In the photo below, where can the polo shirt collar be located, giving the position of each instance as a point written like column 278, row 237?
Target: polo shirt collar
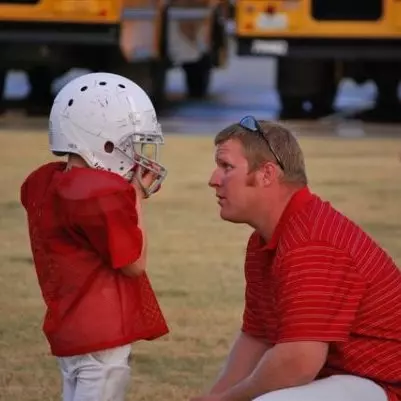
column 296, row 203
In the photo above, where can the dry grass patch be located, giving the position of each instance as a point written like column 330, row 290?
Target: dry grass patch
column 195, row 263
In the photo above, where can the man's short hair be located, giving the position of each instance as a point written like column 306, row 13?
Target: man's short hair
column 257, row 152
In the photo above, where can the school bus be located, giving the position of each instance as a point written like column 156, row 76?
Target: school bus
column 141, row 39
column 318, row 42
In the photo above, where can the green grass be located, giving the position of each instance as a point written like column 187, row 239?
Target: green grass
column 195, row 259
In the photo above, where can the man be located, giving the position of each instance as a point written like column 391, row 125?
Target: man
column 88, row 236
column 322, row 318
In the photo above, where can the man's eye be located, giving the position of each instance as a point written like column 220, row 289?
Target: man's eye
column 224, row 165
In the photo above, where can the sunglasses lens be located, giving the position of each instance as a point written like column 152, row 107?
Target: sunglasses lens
column 249, row 123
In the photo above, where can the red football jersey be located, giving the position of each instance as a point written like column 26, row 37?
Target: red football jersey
column 83, row 227
column 322, row 278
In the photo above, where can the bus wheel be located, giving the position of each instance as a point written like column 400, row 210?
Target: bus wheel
column 198, row 76
column 302, row 81
column 387, row 108
column 40, row 98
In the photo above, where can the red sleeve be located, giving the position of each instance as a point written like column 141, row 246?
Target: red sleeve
column 318, row 294
column 110, row 223
column 23, row 192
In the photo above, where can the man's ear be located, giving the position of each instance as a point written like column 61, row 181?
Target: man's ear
column 269, row 172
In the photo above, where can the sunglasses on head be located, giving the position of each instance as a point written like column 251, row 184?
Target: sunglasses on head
column 250, row 124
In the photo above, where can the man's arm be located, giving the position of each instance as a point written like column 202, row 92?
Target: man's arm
column 245, row 354
column 284, row 365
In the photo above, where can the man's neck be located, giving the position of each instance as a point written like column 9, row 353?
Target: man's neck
column 269, row 213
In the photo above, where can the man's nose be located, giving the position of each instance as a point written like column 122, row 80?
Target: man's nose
column 214, row 180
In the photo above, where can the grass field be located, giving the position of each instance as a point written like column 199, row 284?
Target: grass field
column 195, row 260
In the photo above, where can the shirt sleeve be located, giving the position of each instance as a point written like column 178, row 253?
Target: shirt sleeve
column 23, row 194
column 110, row 224
column 318, row 294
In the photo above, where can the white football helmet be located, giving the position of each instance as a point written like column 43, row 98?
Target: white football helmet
column 110, row 122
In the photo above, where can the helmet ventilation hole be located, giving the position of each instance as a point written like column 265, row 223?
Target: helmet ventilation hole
column 70, row 102
column 84, row 88
column 121, row 86
column 109, row 147
column 102, row 83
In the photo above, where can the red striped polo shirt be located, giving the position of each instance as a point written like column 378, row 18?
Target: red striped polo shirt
column 322, row 278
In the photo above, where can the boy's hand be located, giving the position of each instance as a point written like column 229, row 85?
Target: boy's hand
column 142, row 180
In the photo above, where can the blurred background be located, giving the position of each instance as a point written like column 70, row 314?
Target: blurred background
column 328, row 69
column 211, row 60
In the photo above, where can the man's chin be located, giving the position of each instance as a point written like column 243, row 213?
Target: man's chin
column 232, row 218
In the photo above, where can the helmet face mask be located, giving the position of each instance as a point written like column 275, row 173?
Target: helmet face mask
column 143, row 151
column 111, row 123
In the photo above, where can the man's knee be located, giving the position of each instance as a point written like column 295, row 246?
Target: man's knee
column 279, row 395
column 334, row 388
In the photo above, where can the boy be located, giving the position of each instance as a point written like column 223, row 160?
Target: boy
column 87, row 234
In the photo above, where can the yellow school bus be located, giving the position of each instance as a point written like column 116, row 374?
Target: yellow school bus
column 318, row 42
column 140, row 39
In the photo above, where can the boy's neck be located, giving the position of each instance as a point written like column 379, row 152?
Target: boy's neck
column 75, row 161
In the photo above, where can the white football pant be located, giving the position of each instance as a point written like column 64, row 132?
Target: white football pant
column 99, row 376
